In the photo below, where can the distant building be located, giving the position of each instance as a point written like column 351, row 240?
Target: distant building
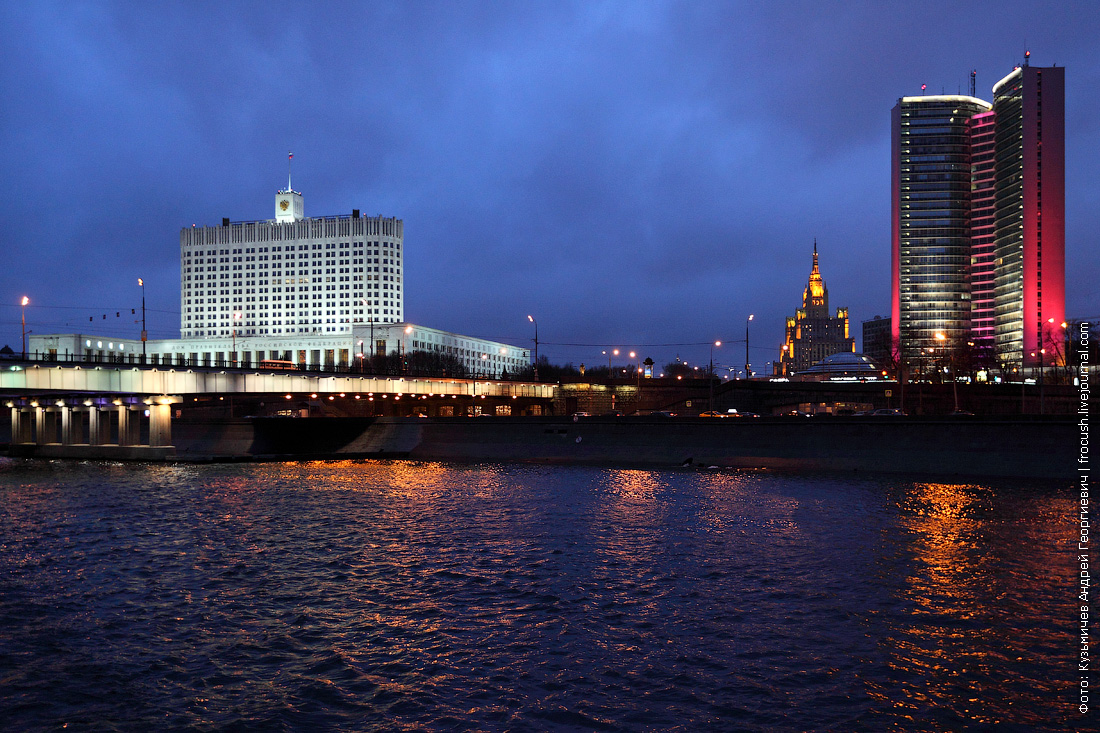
column 876, row 340
column 290, row 275
column 1029, row 295
column 841, row 367
column 316, row 292
column 931, row 209
column 479, row 357
column 813, row 333
column 978, row 220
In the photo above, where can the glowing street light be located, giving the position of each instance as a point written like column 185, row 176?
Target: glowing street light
column 747, row 372
column 144, row 333
column 532, row 320
column 24, row 304
column 710, row 377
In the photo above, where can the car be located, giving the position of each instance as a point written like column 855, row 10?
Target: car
column 885, row 412
column 734, row 413
column 961, row 413
column 662, row 413
column 712, row 413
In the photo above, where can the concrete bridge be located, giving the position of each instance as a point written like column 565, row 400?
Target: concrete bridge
column 126, row 411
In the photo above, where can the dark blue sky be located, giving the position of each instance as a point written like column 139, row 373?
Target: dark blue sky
column 631, row 173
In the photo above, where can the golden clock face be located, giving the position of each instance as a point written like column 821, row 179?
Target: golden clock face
column 284, row 204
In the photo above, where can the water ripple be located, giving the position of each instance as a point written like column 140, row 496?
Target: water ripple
column 400, row 596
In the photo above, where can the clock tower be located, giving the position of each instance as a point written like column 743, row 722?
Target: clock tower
column 288, row 202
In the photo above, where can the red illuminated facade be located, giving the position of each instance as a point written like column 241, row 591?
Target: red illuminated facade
column 1030, row 215
column 978, row 220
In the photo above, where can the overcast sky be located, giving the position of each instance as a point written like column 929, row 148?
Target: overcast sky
column 640, row 175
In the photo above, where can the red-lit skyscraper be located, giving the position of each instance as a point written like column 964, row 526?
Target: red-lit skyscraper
column 932, row 219
column 982, row 227
column 979, row 222
column 1030, row 215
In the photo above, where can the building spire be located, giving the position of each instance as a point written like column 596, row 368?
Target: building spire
column 815, row 255
column 289, row 161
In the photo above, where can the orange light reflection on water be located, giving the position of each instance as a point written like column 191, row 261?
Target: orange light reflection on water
column 945, row 656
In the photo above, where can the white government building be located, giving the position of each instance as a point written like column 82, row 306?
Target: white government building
column 317, row 292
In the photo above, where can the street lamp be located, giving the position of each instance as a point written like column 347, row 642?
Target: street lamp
column 1043, row 338
column 532, row 320
column 144, row 333
column 710, row 377
column 24, row 304
column 954, row 380
column 408, row 330
column 747, row 372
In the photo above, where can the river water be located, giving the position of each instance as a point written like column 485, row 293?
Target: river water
column 405, row 596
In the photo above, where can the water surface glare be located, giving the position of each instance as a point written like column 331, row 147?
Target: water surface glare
column 404, row 596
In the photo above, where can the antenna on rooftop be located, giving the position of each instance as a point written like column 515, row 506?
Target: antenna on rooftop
column 973, row 82
column 1027, row 54
column 289, row 161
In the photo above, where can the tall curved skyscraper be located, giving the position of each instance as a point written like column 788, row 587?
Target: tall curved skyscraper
column 978, row 222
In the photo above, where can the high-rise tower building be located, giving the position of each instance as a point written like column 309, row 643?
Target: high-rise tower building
column 932, row 219
column 814, row 333
column 290, row 274
column 1030, row 213
column 978, row 199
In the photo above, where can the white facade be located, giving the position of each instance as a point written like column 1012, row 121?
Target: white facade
column 479, row 356
column 291, row 274
column 314, row 292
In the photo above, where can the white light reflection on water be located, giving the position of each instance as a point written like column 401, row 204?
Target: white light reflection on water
column 399, row 595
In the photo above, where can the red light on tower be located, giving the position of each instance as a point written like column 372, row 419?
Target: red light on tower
column 923, row 87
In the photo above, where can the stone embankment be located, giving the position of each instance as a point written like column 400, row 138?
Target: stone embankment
column 957, row 446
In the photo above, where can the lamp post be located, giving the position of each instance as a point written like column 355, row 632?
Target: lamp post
column 24, row 304
column 710, row 377
column 408, row 330
column 1042, row 350
column 144, row 333
column 532, row 320
column 954, row 382
column 748, row 373
column 360, row 355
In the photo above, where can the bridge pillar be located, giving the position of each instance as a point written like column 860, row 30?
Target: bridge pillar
column 39, row 425
column 127, row 421
column 66, row 415
column 17, row 426
column 160, row 425
column 96, row 426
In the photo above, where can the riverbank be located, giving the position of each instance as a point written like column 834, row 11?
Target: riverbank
column 957, row 446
